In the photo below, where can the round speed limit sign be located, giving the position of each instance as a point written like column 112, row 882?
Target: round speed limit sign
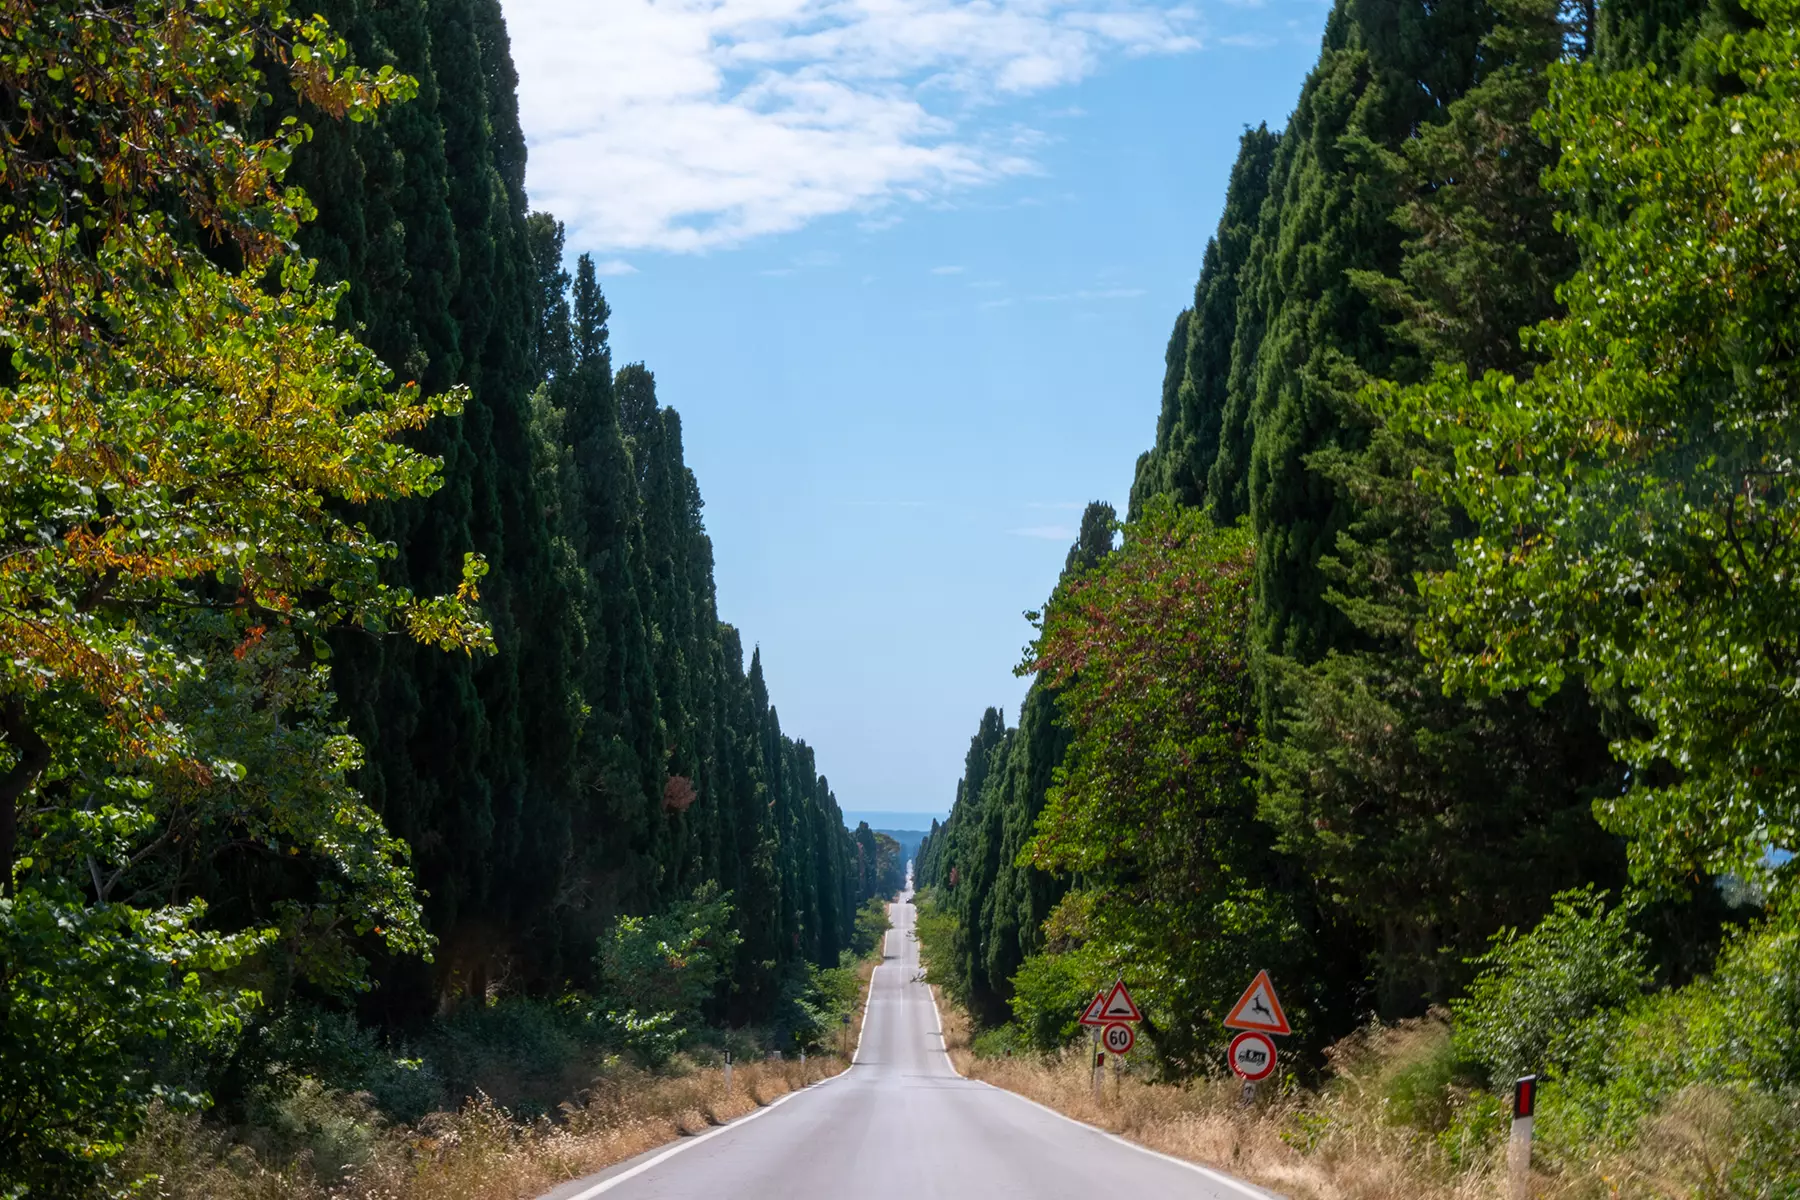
column 1253, row 1056
column 1119, row 1038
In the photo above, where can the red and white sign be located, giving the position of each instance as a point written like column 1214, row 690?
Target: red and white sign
column 1258, row 1010
column 1119, row 1038
column 1252, row 1056
column 1119, row 1006
column 1090, row 1016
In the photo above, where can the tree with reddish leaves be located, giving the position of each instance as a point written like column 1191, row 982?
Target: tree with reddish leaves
column 1153, row 808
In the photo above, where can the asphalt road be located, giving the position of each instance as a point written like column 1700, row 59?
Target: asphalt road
column 901, row 1124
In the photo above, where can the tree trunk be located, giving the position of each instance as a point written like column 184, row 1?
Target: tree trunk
column 34, row 756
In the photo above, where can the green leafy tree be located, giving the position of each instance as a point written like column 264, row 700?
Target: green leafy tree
column 670, row 962
column 1634, row 500
column 186, row 432
column 1153, row 808
column 1430, row 821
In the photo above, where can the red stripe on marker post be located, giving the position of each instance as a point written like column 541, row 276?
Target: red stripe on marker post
column 1518, row 1149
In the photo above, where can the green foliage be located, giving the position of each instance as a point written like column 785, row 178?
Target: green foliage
column 1737, row 1029
column 103, row 1009
column 1050, row 992
column 188, row 434
column 1153, row 806
column 872, row 925
column 668, row 965
column 817, row 1004
column 1530, row 1009
column 935, row 925
column 1634, row 500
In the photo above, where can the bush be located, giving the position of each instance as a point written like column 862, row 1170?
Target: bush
column 936, row 928
column 1738, row 1029
column 1001, row 1041
column 1528, row 1011
column 671, row 962
column 1050, row 992
column 872, row 925
column 1417, row 1092
column 815, row 1004
column 306, row 1042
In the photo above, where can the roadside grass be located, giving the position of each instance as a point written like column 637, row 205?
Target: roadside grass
column 1385, row 1126
column 341, row 1148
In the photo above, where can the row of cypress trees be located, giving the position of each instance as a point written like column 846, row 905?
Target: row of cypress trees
column 1395, row 225
column 614, row 753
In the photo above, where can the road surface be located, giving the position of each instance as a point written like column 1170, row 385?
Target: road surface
column 900, row 1124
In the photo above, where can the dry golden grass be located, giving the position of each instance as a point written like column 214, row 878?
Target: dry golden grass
column 481, row 1152
column 1335, row 1145
column 1345, row 1142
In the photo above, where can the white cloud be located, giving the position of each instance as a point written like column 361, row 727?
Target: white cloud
column 688, row 124
column 615, row 266
column 948, row 270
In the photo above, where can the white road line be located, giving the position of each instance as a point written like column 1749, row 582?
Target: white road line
column 868, row 1003
column 1218, row 1177
column 607, row 1185
column 1245, row 1189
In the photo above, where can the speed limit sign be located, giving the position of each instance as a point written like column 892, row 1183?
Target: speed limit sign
column 1119, row 1038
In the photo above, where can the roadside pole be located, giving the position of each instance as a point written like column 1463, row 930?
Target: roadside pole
column 1109, row 1019
column 728, row 1074
column 1518, row 1150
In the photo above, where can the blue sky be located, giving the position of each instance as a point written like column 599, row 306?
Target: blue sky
column 907, row 269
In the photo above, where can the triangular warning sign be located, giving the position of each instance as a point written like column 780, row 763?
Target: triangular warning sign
column 1091, row 1015
column 1119, row 1006
column 1258, row 1009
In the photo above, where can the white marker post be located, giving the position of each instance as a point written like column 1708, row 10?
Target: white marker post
column 1099, row 1075
column 728, row 1074
column 1518, row 1150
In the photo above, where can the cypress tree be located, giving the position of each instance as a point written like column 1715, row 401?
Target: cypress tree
column 1201, row 441
column 1386, row 70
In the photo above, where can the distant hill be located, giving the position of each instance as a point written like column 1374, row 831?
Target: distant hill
column 907, row 828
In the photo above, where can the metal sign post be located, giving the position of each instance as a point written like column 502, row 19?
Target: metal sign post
column 1109, row 1017
column 1518, row 1149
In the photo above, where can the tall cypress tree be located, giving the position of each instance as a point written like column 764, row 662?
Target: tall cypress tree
column 1386, row 69
column 1202, row 442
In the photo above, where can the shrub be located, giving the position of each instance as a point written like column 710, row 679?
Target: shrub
column 671, row 962
column 1050, row 991
column 1529, row 1008
column 872, row 925
column 1738, row 1029
column 815, row 1004
column 307, row 1042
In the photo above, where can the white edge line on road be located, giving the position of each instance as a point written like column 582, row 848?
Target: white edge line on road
column 1218, row 1177
column 607, row 1185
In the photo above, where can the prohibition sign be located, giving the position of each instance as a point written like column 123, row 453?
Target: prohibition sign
column 1252, row 1056
column 1119, row 1038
